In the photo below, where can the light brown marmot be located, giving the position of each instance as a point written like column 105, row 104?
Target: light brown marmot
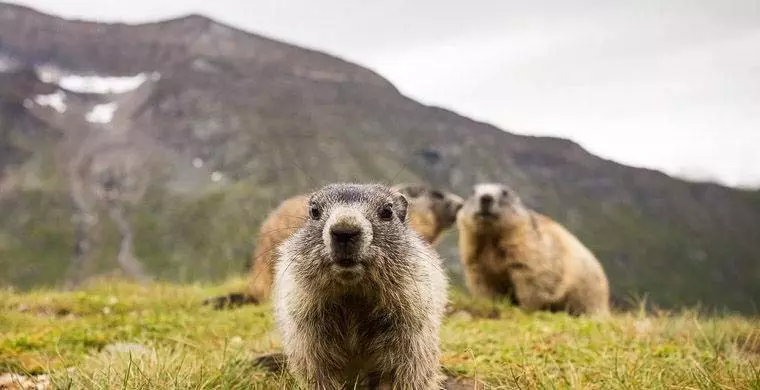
column 358, row 297
column 506, row 248
column 431, row 213
column 280, row 224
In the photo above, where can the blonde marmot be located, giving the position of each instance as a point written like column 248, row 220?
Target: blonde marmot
column 506, row 248
column 431, row 213
column 280, row 224
column 358, row 296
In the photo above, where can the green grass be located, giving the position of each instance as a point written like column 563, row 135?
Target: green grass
column 181, row 344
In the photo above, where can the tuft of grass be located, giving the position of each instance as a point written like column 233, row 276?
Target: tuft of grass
column 117, row 335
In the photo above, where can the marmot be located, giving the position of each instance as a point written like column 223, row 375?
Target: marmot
column 431, row 213
column 358, row 297
column 280, row 224
column 509, row 250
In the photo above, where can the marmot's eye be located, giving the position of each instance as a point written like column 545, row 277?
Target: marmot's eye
column 436, row 194
column 386, row 213
column 504, row 193
column 314, row 212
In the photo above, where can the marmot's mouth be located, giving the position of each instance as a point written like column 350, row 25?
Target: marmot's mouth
column 347, row 270
column 346, row 262
column 485, row 215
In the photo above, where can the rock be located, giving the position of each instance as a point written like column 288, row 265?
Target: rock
column 463, row 384
column 463, row 315
column 11, row 381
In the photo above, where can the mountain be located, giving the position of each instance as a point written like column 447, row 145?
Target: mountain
column 157, row 149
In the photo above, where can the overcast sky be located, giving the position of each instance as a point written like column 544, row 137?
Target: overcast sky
column 666, row 84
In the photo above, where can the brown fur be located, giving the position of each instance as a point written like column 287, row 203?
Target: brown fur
column 280, row 224
column 516, row 252
column 365, row 309
column 432, row 212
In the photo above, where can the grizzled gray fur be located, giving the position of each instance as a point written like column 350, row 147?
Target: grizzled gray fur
column 358, row 297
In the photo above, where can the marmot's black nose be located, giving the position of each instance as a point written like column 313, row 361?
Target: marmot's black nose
column 344, row 234
column 486, row 201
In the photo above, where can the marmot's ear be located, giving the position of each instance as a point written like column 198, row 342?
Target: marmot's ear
column 455, row 203
column 401, row 205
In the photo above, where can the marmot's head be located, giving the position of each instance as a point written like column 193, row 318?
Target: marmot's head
column 434, row 208
column 351, row 230
column 491, row 205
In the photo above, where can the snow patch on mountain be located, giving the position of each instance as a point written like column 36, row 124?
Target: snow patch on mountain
column 93, row 83
column 101, row 113
column 56, row 101
column 100, row 84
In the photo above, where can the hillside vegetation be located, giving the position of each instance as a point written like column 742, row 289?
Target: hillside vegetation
column 119, row 335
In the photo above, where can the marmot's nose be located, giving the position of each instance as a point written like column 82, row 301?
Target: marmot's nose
column 344, row 234
column 486, row 201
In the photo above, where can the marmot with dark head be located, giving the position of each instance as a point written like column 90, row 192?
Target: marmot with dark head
column 431, row 213
column 358, row 296
column 507, row 249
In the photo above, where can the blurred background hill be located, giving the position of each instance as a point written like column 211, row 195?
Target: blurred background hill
column 160, row 147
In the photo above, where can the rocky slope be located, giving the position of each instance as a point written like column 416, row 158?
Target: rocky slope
column 157, row 149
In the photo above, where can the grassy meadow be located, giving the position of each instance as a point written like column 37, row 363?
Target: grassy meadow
column 114, row 334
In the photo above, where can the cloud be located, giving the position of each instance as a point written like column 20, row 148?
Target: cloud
column 675, row 92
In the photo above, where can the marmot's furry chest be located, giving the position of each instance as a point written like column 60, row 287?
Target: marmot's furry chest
column 521, row 251
column 529, row 248
column 356, row 325
column 499, row 255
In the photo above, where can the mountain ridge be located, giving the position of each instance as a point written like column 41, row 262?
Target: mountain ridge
column 195, row 18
